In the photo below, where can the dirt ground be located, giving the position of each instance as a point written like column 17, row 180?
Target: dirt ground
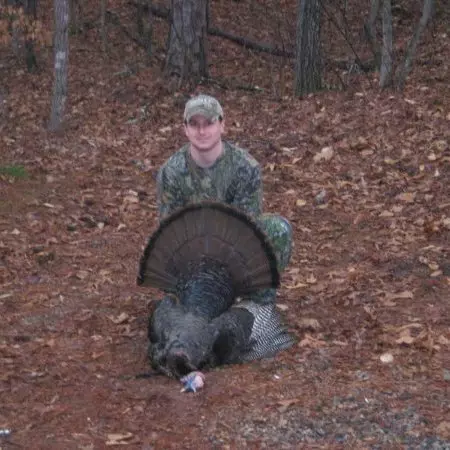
column 362, row 175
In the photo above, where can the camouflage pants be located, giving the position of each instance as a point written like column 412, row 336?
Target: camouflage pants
column 279, row 231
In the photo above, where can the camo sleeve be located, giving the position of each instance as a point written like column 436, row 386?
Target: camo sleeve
column 248, row 196
column 169, row 194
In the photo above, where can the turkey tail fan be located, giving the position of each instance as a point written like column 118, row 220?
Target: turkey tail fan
column 209, row 232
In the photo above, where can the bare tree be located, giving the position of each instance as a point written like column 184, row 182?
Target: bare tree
column 24, row 30
column 384, row 57
column 76, row 24
column 186, row 53
column 386, row 66
column 369, row 30
column 61, row 63
column 103, row 27
column 405, row 68
column 30, row 55
column 145, row 29
column 308, row 63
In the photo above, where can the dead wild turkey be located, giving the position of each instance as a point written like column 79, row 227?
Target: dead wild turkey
column 205, row 256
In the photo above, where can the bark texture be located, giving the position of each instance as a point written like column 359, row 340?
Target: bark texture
column 308, row 64
column 61, row 63
column 186, row 54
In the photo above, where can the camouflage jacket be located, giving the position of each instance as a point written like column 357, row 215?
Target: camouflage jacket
column 235, row 178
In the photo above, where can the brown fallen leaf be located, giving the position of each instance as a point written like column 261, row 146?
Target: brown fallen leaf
column 82, row 274
column 443, row 429
column 399, row 295
column 409, row 325
column 309, row 341
column 441, row 145
column 309, row 324
column 131, row 199
column 443, row 340
column 436, row 273
column 296, row 285
column 125, row 330
column 325, row 154
column 407, row 338
column 317, row 288
column 387, row 358
column 340, row 343
column 119, row 438
column 285, row 404
column 96, row 355
column 407, row 197
column 282, row 307
column 121, row 318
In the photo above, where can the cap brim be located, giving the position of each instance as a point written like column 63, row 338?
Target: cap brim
column 202, row 112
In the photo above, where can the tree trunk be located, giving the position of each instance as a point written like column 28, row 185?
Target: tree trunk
column 145, row 30
column 405, row 69
column 386, row 67
column 308, row 63
column 22, row 43
column 75, row 13
column 103, row 31
column 369, row 30
column 30, row 55
column 61, row 63
column 186, row 54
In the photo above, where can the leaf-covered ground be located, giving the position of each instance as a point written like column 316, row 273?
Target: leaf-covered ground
column 362, row 175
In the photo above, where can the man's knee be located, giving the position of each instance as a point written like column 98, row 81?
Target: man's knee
column 279, row 231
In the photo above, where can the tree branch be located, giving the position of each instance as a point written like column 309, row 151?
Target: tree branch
column 364, row 66
column 247, row 43
column 164, row 13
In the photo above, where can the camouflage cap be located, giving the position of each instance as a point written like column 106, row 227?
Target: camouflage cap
column 204, row 105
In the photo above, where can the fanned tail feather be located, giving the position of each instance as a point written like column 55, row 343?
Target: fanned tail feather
column 209, row 231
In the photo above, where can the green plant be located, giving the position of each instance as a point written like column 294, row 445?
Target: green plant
column 14, row 171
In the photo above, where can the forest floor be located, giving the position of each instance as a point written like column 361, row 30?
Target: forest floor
column 367, row 292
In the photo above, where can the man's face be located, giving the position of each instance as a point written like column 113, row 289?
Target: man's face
column 204, row 134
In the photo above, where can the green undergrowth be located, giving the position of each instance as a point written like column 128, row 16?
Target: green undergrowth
column 14, row 171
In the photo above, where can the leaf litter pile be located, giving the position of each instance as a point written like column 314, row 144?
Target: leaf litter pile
column 363, row 177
